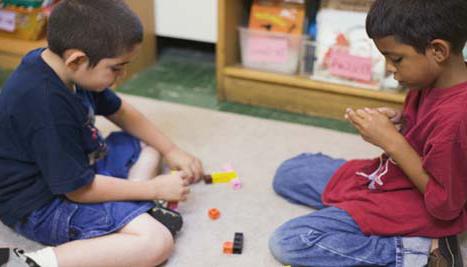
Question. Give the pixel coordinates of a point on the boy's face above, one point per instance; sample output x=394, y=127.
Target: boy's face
x=411, y=69
x=104, y=74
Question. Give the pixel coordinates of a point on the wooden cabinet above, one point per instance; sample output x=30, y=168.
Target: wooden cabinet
x=12, y=50
x=286, y=92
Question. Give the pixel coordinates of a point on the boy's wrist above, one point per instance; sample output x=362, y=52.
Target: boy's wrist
x=167, y=150
x=396, y=143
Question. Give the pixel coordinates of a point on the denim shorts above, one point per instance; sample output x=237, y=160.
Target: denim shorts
x=62, y=220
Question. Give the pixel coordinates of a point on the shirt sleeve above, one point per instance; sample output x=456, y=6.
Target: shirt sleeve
x=445, y=195
x=107, y=102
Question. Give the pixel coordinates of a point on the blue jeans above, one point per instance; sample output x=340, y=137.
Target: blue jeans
x=329, y=236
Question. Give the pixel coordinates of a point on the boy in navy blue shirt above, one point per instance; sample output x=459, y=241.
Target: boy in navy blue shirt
x=60, y=181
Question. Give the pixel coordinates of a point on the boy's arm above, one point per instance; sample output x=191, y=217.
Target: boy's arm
x=104, y=188
x=170, y=187
x=376, y=128
x=408, y=160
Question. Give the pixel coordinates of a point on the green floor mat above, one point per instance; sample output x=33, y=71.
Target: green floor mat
x=188, y=77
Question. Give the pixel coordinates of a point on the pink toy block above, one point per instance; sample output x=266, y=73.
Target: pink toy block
x=236, y=183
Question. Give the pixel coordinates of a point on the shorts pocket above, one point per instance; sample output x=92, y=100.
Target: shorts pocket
x=90, y=220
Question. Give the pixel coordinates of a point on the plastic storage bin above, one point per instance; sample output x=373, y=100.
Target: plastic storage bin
x=22, y=23
x=269, y=51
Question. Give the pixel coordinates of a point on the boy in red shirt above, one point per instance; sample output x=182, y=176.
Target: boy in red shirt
x=396, y=209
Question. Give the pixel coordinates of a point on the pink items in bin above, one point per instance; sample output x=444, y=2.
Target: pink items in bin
x=270, y=51
x=344, y=52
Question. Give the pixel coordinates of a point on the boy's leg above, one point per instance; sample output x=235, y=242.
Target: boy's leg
x=330, y=237
x=302, y=179
x=147, y=166
x=142, y=242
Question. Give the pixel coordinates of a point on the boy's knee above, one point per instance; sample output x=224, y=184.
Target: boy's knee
x=158, y=244
x=284, y=178
x=279, y=248
x=150, y=156
x=293, y=242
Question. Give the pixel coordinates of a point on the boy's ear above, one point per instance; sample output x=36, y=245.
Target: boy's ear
x=440, y=50
x=74, y=58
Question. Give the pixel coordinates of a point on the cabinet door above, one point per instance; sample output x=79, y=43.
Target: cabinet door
x=187, y=19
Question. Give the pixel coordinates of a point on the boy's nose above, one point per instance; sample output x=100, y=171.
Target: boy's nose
x=390, y=67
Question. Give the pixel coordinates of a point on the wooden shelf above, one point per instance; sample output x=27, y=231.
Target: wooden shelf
x=12, y=50
x=287, y=92
x=308, y=84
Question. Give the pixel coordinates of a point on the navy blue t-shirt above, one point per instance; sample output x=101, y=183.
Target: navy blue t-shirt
x=48, y=142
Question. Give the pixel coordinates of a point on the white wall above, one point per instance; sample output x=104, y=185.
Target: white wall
x=187, y=19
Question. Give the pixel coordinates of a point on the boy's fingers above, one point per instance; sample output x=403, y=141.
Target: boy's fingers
x=362, y=113
x=353, y=116
x=197, y=169
x=185, y=173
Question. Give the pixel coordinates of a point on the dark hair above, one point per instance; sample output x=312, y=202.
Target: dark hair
x=99, y=28
x=418, y=22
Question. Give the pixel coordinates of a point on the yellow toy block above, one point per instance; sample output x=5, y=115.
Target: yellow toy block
x=223, y=177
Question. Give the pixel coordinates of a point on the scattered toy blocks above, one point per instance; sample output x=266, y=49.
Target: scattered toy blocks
x=214, y=213
x=235, y=247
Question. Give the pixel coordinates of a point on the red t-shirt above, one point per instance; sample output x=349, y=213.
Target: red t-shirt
x=381, y=198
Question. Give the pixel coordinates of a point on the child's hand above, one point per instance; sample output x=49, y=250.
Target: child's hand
x=171, y=187
x=180, y=160
x=374, y=126
x=393, y=114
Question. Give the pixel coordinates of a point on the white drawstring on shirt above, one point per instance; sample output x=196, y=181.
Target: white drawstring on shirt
x=375, y=177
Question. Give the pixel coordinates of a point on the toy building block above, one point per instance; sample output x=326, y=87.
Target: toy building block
x=228, y=247
x=207, y=179
x=236, y=183
x=227, y=167
x=173, y=205
x=220, y=177
x=214, y=213
x=238, y=243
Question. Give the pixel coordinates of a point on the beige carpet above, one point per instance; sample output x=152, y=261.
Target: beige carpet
x=255, y=147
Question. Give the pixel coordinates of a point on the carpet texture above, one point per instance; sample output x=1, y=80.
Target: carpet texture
x=255, y=147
